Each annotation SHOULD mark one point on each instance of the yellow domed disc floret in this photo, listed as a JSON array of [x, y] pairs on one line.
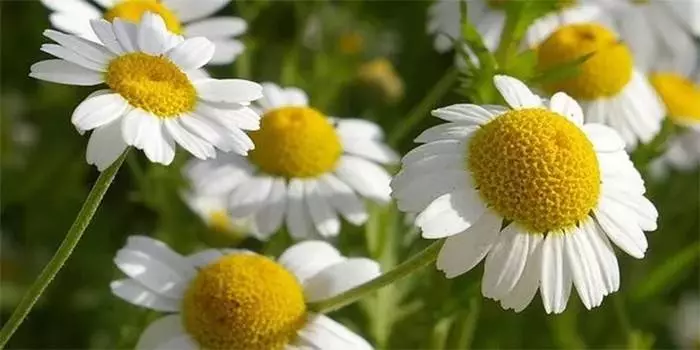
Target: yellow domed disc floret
[[132, 10], [244, 302], [536, 168], [152, 83], [295, 142], [604, 74], [681, 96]]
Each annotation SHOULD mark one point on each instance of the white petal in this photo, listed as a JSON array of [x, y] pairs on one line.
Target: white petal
[[468, 113], [307, 258], [365, 177], [450, 214], [321, 332], [99, 110], [161, 331], [607, 261], [217, 27], [449, 131], [324, 217], [644, 210], [461, 252], [72, 57], [161, 252], [580, 269], [145, 131], [343, 199], [192, 53], [521, 296], [228, 90], [270, 216], [419, 191], [182, 342], [603, 138], [296, 96], [86, 48], [68, 23], [127, 34], [247, 198], [105, 32], [556, 279], [434, 149], [135, 293], [616, 222], [298, 217], [153, 35], [565, 105], [78, 8], [106, 144], [153, 274], [505, 262], [186, 10], [226, 51], [192, 143], [62, 72], [369, 149], [204, 257], [340, 277], [354, 127], [516, 93]]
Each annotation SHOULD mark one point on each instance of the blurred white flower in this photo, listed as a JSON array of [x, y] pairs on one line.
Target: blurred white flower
[[212, 210], [188, 18], [609, 86], [306, 169], [236, 299], [151, 102], [685, 325], [531, 190]]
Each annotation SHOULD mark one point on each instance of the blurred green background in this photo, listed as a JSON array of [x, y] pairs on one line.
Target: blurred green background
[[324, 48]]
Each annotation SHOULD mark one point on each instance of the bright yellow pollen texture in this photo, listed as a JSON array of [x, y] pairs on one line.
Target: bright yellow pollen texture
[[603, 75], [681, 96], [246, 302], [295, 142], [536, 168], [132, 10], [152, 83]]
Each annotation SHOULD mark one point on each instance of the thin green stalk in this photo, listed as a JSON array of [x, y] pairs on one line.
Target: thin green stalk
[[418, 261], [421, 110], [64, 251]]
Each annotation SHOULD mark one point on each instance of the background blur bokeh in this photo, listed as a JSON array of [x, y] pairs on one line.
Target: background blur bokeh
[[369, 60]]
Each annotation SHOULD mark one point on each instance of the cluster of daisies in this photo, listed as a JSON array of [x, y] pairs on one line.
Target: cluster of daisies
[[542, 188]]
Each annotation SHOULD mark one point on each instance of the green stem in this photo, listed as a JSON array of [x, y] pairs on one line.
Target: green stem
[[64, 251], [420, 260], [421, 110]]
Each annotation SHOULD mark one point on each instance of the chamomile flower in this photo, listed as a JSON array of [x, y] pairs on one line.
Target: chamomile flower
[[488, 16], [609, 87], [305, 170], [655, 32], [682, 99], [531, 190], [187, 18], [212, 211], [235, 299], [150, 102]]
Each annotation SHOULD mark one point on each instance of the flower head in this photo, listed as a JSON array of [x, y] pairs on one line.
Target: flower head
[[306, 169], [532, 190], [153, 97], [234, 299], [186, 18]]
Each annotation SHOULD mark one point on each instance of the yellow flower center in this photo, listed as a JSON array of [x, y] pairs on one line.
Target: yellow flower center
[[536, 168], [152, 83], [244, 301], [132, 10], [295, 142], [606, 72], [681, 96], [219, 221], [351, 43]]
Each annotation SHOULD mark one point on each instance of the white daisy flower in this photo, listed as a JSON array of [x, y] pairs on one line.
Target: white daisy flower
[[682, 99], [212, 210], [305, 169], [610, 88], [686, 322], [488, 16], [236, 299], [533, 191], [187, 18], [150, 101], [655, 32]]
